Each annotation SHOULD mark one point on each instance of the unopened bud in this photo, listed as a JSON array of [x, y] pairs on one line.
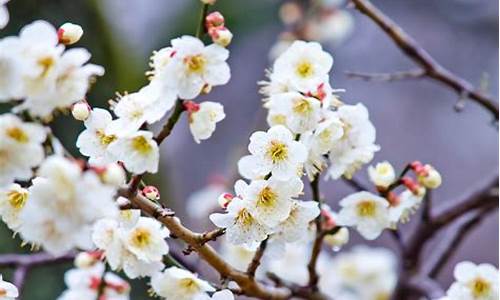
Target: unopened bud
[[338, 239], [431, 178], [214, 19], [151, 192], [207, 88], [413, 186], [225, 199], [209, 2], [114, 175], [69, 33], [81, 110], [85, 260], [191, 106], [382, 175], [328, 219], [220, 35]]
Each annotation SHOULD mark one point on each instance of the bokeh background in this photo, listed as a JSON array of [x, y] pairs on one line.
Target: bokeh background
[[414, 119]]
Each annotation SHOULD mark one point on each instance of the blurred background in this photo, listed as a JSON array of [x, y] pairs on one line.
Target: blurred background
[[414, 119]]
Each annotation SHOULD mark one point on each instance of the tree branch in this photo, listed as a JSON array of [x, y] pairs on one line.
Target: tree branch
[[255, 263], [396, 76], [429, 66]]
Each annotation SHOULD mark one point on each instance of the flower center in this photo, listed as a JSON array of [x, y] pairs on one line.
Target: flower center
[[267, 197], [141, 238], [141, 145], [480, 287], [105, 139], [46, 63], [302, 106], [189, 285], [304, 69], [17, 134], [278, 151], [195, 63], [3, 292], [244, 217], [17, 199], [278, 119], [366, 208]]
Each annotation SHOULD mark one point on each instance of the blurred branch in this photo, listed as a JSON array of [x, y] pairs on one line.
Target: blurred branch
[[429, 67], [411, 74], [451, 244], [33, 260]]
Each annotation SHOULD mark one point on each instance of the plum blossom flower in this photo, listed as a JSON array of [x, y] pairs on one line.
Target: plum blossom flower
[[4, 14], [203, 117], [94, 141], [406, 204], [64, 204], [301, 113], [275, 152], [296, 226], [138, 151], [20, 148], [382, 175], [133, 243], [176, 283], [12, 200], [367, 212], [474, 282], [303, 65], [242, 228], [356, 147], [8, 291], [271, 200], [194, 65]]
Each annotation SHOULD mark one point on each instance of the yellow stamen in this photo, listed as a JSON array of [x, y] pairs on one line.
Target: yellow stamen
[[196, 63], [277, 151], [302, 106], [141, 238], [17, 199], [267, 197], [17, 134], [366, 208], [141, 145], [480, 287], [105, 139], [305, 69]]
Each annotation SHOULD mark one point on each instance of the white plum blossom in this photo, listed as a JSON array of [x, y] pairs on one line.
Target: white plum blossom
[[85, 282], [194, 65], [59, 78], [12, 67], [271, 200], [21, 148], [13, 198], [301, 113], [176, 283], [367, 212], [242, 228], [237, 256], [96, 138], [203, 119], [360, 273], [406, 204], [145, 106], [275, 152], [138, 151], [133, 243], [474, 282], [382, 175], [63, 205], [8, 291], [303, 65], [356, 147], [296, 226]]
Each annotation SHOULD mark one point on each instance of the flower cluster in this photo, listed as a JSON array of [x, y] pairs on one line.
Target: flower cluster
[[89, 279], [132, 243]]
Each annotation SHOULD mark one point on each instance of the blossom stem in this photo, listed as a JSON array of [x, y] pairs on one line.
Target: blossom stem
[[255, 263], [318, 241], [201, 23]]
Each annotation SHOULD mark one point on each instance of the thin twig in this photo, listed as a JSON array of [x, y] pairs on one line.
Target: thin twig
[[318, 241], [255, 263], [424, 60]]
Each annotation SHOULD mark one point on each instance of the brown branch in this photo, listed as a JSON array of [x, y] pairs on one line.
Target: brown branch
[[255, 263], [33, 260], [452, 245], [424, 60], [318, 241], [396, 76], [248, 285]]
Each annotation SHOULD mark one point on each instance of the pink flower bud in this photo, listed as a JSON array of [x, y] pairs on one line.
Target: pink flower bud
[[81, 110], [214, 19], [411, 185], [220, 35], [191, 106], [151, 192], [114, 175], [69, 33], [225, 199], [328, 220]]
